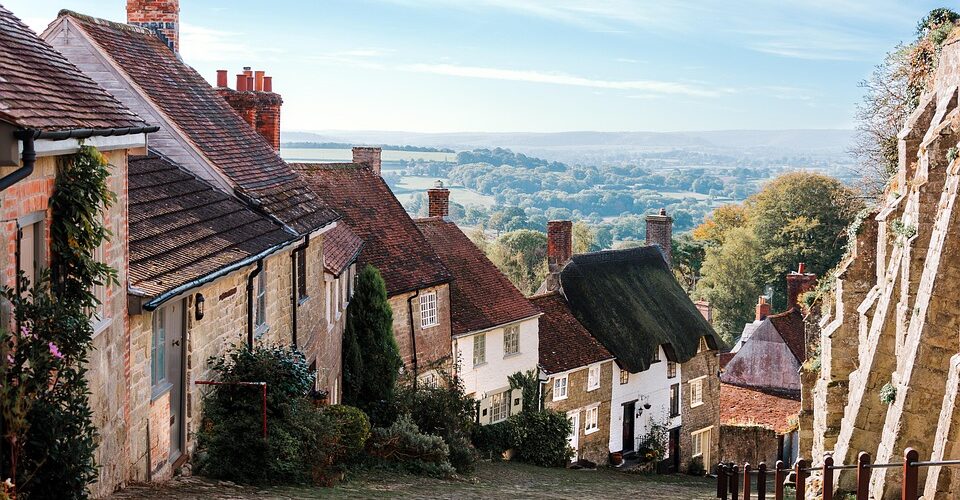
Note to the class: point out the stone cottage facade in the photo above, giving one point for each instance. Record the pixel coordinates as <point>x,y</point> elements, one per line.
<point>894,319</point>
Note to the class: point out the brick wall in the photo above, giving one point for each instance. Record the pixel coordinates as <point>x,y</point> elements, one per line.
<point>559,244</point>
<point>595,446</point>
<point>162,16</point>
<point>704,364</point>
<point>433,344</point>
<point>659,232</point>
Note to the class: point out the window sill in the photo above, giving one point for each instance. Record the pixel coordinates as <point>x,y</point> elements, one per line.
<point>591,431</point>
<point>511,355</point>
<point>100,325</point>
<point>479,365</point>
<point>591,389</point>
<point>158,391</point>
<point>260,331</point>
<point>432,325</point>
<point>560,398</point>
<point>303,300</point>
<point>694,405</point>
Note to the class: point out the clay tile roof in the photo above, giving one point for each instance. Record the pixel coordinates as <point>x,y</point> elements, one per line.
<point>209,122</point>
<point>564,343</point>
<point>631,302</point>
<point>182,228</point>
<point>790,326</point>
<point>341,246</point>
<point>392,242</point>
<point>749,406</point>
<point>481,297</point>
<point>40,89</point>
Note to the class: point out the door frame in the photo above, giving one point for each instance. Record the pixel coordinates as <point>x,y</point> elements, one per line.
<point>629,444</point>
<point>181,387</point>
<point>574,438</point>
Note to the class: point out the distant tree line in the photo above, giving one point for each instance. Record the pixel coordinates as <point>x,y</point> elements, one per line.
<point>345,145</point>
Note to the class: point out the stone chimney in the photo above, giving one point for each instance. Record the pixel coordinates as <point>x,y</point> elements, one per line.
<point>799,282</point>
<point>160,16</point>
<point>255,102</point>
<point>706,310</point>
<point>368,157</point>
<point>660,232</point>
<point>439,200</point>
<point>559,244</point>
<point>763,308</point>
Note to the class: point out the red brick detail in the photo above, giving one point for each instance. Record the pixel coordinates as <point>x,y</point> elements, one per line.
<point>368,157</point>
<point>258,107</point>
<point>439,201</point>
<point>750,406</point>
<point>798,283</point>
<point>660,232</point>
<point>559,244</point>
<point>160,16</point>
<point>763,308</point>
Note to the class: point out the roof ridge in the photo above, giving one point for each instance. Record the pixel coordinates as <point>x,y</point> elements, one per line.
<point>103,22</point>
<point>311,166</point>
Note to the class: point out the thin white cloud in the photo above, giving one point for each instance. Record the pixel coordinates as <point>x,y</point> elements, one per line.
<point>653,86</point>
<point>202,44</point>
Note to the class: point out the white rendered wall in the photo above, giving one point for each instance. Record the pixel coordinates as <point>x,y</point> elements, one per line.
<point>650,386</point>
<point>491,377</point>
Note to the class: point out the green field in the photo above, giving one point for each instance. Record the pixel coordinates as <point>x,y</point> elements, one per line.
<point>410,186</point>
<point>342,155</point>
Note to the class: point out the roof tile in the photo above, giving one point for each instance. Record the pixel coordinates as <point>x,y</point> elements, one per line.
<point>564,343</point>
<point>750,406</point>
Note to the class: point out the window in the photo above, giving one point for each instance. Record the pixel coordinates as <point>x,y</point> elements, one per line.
<point>32,245</point>
<point>656,355</point>
<point>674,400</point>
<point>158,351</point>
<point>560,388</point>
<point>428,310</point>
<point>591,420</point>
<point>343,292</point>
<point>328,289</point>
<point>671,369</point>
<point>500,407</point>
<point>337,297</point>
<point>624,377</point>
<point>696,392</point>
<point>479,349</point>
<point>593,377</point>
<point>261,313</point>
<point>511,340</point>
<point>301,256</point>
<point>700,442</point>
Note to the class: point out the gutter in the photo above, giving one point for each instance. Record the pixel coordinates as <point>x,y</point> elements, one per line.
<point>295,289</point>
<point>253,274</point>
<point>29,158</point>
<point>413,337</point>
<point>160,299</point>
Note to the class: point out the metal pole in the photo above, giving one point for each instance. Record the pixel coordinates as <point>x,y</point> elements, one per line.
<point>722,481</point>
<point>910,479</point>
<point>778,478</point>
<point>863,476</point>
<point>828,477</point>
<point>762,481</point>
<point>734,478</point>
<point>746,481</point>
<point>801,473</point>
<point>264,411</point>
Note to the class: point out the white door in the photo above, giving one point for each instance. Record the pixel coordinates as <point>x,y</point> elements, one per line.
<point>574,438</point>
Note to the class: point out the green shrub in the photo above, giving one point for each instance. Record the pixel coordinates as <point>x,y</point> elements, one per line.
<point>404,446</point>
<point>494,439</point>
<point>542,437</point>
<point>888,393</point>
<point>353,429</point>
<point>302,442</point>
<point>442,410</point>
<point>695,467</point>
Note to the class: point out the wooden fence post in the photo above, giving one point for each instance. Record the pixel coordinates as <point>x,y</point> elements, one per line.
<point>863,476</point>
<point>827,480</point>
<point>746,481</point>
<point>910,473</point>
<point>779,476</point>
<point>801,474</point>
<point>762,481</point>
<point>734,482</point>
<point>722,481</point>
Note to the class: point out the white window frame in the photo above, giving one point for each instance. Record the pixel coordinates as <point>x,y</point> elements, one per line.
<point>696,391</point>
<point>591,420</point>
<point>593,378</point>
<point>560,387</point>
<point>511,340</point>
<point>696,441</point>
<point>479,349</point>
<point>260,308</point>
<point>328,300</point>
<point>671,369</point>
<point>500,407</point>
<point>429,310</point>
<point>158,352</point>
<point>624,377</point>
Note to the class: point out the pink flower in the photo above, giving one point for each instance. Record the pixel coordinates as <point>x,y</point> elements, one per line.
<point>55,351</point>
<point>25,331</point>
<point>10,358</point>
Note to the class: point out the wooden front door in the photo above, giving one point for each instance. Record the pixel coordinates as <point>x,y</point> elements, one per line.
<point>674,446</point>
<point>173,324</point>
<point>629,412</point>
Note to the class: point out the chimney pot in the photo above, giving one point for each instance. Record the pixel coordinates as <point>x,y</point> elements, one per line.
<point>268,84</point>
<point>559,244</point>
<point>241,82</point>
<point>250,84</point>
<point>221,78</point>
<point>660,233</point>
<point>800,268</point>
<point>799,283</point>
<point>763,308</point>
<point>248,71</point>
<point>258,75</point>
<point>439,200</point>
<point>369,157</point>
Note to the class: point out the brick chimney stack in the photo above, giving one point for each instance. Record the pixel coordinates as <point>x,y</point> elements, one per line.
<point>368,157</point>
<point>559,244</point>
<point>799,282</point>
<point>660,232</point>
<point>763,308</point>
<point>439,200</point>
<point>160,16</point>
<point>255,102</point>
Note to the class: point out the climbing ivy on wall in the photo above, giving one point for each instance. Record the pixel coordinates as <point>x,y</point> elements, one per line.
<point>49,436</point>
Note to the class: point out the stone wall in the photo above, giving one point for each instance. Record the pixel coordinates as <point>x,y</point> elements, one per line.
<point>434,345</point>
<point>753,444</point>
<point>704,364</point>
<point>594,446</point>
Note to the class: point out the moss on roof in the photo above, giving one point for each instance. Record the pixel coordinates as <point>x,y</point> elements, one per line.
<point>631,302</point>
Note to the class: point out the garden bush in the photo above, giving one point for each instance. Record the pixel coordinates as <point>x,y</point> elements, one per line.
<point>353,429</point>
<point>404,446</point>
<point>542,437</point>
<point>494,439</point>
<point>442,410</point>
<point>301,441</point>
<point>695,467</point>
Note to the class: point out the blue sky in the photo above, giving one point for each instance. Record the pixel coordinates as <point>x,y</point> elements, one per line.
<point>541,65</point>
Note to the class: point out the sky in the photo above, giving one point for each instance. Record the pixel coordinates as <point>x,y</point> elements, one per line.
<point>541,65</point>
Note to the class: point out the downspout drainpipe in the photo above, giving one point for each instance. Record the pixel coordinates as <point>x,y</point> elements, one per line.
<point>413,338</point>
<point>253,274</point>
<point>294,300</point>
<point>28,157</point>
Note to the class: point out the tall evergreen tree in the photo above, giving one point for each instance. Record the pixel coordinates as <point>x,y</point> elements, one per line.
<point>371,358</point>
